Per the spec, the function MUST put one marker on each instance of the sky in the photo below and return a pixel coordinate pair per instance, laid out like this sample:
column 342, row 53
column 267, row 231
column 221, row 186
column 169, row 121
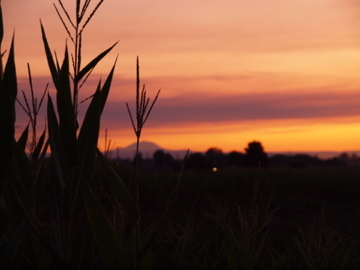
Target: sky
column 282, row 72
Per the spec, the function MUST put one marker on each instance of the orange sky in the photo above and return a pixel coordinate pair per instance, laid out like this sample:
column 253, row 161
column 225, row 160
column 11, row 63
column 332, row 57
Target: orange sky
column 283, row 72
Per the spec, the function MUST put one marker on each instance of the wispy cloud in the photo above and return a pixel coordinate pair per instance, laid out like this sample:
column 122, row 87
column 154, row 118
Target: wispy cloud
column 184, row 109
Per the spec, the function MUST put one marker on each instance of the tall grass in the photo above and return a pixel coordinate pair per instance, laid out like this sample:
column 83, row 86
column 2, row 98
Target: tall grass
column 248, row 239
column 322, row 247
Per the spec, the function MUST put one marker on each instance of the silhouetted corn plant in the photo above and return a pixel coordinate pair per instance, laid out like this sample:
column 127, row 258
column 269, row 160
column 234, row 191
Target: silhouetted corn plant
column 75, row 28
column 8, row 92
column 18, row 182
column 55, row 215
column 142, row 112
column 73, row 159
column 35, row 145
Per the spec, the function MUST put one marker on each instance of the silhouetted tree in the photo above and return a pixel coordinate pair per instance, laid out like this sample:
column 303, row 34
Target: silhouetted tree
column 159, row 157
column 280, row 160
column 335, row 161
column 348, row 159
column 255, row 154
column 196, row 161
column 162, row 159
column 235, row 158
column 304, row 160
column 215, row 157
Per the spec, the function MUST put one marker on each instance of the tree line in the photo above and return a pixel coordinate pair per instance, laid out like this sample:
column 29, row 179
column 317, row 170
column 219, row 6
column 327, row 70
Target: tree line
column 254, row 155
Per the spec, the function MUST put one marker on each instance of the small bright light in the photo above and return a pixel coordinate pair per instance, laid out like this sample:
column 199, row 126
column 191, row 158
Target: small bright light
column 214, row 169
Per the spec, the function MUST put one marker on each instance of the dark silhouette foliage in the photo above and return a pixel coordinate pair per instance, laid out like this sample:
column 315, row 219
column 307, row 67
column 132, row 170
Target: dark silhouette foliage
column 255, row 154
column 235, row 159
column 215, row 157
column 163, row 160
column 303, row 160
column 196, row 161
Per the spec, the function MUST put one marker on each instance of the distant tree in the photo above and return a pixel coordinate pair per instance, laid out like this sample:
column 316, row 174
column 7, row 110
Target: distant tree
column 196, row 161
column 215, row 157
column 348, row 159
column 303, row 160
column 345, row 157
column 255, row 154
column 162, row 159
column 235, row 159
column 335, row 161
column 280, row 160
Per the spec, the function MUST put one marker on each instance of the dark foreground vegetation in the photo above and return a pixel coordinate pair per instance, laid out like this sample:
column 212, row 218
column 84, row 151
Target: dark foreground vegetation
column 78, row 209
column 246, row 218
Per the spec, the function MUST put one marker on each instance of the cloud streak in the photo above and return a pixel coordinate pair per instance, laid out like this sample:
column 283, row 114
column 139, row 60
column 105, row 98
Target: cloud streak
column 189, row 102
column 246, row 107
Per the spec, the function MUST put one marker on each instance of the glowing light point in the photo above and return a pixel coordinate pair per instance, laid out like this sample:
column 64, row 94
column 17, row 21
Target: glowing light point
column 214, row 169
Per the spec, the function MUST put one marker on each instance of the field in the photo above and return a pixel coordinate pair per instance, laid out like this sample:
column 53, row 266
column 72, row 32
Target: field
column 299, row 197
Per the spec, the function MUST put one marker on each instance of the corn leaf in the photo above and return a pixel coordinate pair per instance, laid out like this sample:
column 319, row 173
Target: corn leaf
column 22, row 165
column 9, row 80
column 23, row 197
column 60, row 167
column 67, row 121
column 44, row 149
column 57, row 154
column 23, row 138
column 51, row 63
column 8, row 92
column 104, row 234
column 89, row 132
column 93, row 63
column 39, row 146
column 106, row 87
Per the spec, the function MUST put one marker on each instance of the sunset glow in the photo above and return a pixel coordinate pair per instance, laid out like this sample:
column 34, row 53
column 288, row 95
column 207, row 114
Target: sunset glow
column 285, row 73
